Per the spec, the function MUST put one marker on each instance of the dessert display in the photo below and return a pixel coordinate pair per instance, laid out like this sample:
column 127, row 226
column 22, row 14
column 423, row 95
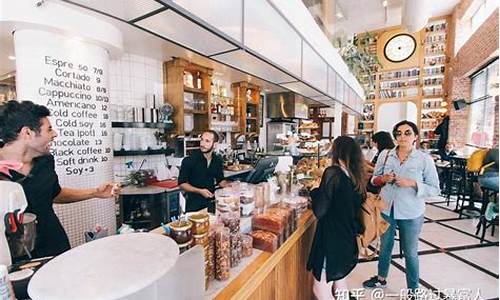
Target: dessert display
column 246, row 245
column 264, row 240
column 224, row 244
column 200, row 223
column 298, row 203
column 181, row 232
column 232, row 222
column 222, row 253
column 227, row 200
column 247, row 199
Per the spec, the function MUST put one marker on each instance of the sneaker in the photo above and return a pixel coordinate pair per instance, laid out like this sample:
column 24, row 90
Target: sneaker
column 374, row 282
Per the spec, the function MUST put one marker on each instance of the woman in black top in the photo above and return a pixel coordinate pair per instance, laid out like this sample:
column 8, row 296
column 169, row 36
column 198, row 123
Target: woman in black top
column 337, row 204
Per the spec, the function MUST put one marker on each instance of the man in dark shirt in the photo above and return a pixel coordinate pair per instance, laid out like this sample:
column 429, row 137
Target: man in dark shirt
column 25, row 137
column 447, row 152
column 201, row 172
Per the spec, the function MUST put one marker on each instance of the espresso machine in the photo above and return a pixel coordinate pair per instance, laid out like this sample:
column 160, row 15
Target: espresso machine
column 12, row 205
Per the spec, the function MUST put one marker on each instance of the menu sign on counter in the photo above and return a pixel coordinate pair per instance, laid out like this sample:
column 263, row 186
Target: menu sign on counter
column 70, row 78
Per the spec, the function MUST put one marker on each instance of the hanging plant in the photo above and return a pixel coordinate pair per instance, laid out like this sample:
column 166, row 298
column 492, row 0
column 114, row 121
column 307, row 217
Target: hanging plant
column 359, row 59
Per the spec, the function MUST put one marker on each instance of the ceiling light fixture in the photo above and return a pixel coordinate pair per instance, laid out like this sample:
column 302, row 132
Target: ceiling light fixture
column 12, row 57
column 384, row 3
column 339, row 12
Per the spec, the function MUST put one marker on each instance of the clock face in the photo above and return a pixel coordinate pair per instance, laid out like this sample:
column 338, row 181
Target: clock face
column 400, row 47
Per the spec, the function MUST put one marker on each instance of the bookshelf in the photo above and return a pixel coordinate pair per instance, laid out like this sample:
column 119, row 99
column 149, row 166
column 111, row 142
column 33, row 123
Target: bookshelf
column 421, row 79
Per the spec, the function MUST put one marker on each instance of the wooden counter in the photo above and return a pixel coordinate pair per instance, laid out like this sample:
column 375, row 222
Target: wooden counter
column 278, row 275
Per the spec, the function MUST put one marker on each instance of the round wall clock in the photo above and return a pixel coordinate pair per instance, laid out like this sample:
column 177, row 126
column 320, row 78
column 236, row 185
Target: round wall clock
column 400, row 47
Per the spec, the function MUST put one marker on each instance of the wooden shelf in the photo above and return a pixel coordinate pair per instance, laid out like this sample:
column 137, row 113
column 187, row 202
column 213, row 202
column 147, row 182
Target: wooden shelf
column 420, row 62
column 243, row 106
column 195, row 111
column 399, row 88
column 434, row 66
column 194, row 90
column 142, row 125
column 435, row 109
column 406, row 98
column 400, row 79
column 143, row 152
column 174, row 90
column 433, row 96
column 435, row 55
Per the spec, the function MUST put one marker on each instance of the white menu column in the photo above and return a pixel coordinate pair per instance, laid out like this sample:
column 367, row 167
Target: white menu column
column 70, row 77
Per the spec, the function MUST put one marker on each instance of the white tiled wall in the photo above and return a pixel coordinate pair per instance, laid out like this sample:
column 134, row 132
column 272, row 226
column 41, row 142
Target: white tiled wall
column 132, row 79
column 121, row 170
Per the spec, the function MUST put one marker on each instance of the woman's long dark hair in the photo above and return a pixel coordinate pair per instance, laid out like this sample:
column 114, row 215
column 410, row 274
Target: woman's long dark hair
column 383, row 140
column 348, row 151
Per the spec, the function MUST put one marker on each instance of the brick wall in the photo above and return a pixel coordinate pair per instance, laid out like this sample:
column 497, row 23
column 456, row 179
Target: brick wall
column 474, row 54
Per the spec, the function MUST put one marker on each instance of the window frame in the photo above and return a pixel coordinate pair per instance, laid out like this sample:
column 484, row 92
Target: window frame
column 480, row 101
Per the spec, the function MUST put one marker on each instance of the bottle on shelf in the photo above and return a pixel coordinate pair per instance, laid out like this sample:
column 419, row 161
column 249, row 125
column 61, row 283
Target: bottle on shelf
column 198, row 80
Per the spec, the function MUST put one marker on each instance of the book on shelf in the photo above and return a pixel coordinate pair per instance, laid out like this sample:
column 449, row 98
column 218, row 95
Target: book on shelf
column 402, row 93
column 434, row 70
column 412, row 72
column 399, row 83
column 436, row 27
column 434, row 60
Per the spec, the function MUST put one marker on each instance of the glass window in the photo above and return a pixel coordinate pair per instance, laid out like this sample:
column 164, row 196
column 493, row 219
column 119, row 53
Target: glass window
column 478, row 17
column 484, row 88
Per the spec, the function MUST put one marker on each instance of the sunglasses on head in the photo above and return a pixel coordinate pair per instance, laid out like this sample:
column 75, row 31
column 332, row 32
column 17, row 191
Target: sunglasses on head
column 406, row 133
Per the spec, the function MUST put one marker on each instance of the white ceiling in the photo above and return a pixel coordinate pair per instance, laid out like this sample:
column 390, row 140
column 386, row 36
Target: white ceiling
column 368, row 15
column 6, row 50
column 136, row 41
column 359, row 16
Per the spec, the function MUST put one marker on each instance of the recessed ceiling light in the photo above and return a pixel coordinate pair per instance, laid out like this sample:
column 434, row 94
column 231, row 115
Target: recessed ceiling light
column 384, row 3
column 11, row 57
column 339, row 15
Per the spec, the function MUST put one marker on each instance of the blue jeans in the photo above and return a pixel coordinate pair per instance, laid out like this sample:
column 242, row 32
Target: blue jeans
column 409, row 231
column 489, row 180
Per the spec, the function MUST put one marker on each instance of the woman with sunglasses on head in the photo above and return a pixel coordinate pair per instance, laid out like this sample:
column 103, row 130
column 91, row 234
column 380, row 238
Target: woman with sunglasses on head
column 407, row 178
column 336, row 204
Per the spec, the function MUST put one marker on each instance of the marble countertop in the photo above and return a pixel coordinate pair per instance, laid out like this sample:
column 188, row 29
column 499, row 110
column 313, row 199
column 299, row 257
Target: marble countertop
column 109, row 268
